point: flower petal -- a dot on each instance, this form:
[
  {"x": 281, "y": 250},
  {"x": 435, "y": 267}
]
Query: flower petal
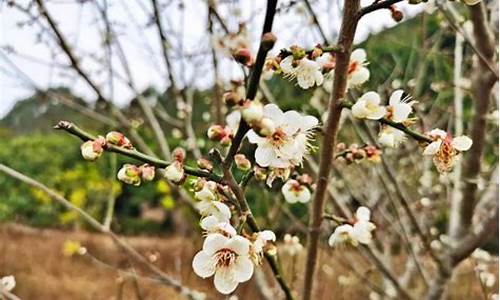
[
  {"x": 377, "y": 113},
  {"x": 243, "y": 268},
  {"x": 462, "y": 143},
  {"x": 224, "y": 280},
  {"x": 396, "y": 97},
  {"x": 238, "y": 244},
  {"x": 203, "y": 264},
  {"x": 214, "y": 242},
  {"x": 401, "y": 111},
  {"x": 358, "y": 55},
  {"x": 361, "y": 75},
  {"x": 254, "y": 138},
  {"x": 432, "y": 148},
  {"x": 363, "y": 213},
  {"x": 265, "y": 155},
  {"x": 273, "y": 112}
]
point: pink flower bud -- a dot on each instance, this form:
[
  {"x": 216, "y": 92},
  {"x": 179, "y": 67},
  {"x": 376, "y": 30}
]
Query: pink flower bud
[
  {"x": 226, "y": 141},
  {"x": 118, "y": 139},
  {"x": 130, "y": 174},
  {"x": 243, "y": 56},
  {"x": 175, "y": 172},
  {"x": 305, "y": 179},
  {"x": 268, "y": 40},
  {"x": 92, "y": 150},
  {"x": 242, "y": 162},
  {"x": 204, "y": 164},
  {"x": 179, "y": 154},
  {"x": 148, "y": 172},
  {"x": 252, "y": 111},
  {"x": 216, "y": 132}
]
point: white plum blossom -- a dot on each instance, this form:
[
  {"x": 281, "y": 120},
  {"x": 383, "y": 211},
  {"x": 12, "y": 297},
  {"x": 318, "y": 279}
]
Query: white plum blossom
[
  {"x": 445, "y": 149},
  {"x": 7, "y": 283},
  {"x": 359, "y": 233},
  {"x": 208, "y": 204},
  {"x": 307, "y": 71},
  {"x": 174, "y": 172},
  {"x": 390, "y": 136},
  {"x": 233, "y": 121},
  {"x": 294, "y": 192},
  {"x": 368, "y": 107},
  {"x": 292, "y": 244},
  {"x": 288, "y": 141},
  {"x": 262, "y": 238},
  {"x": 226, "y": 257},
  {"x": 399, "y": 108},
  {"x": 358, "y": 73},
  {"x": 212, "y": 224}
]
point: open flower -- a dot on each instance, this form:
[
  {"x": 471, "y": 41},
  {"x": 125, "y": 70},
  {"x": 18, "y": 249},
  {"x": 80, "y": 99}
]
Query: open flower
[
  {"x": 288, "y": 141},
  {"x": 358, "y": 73},
  {"x": 227, "y": 258},
  {"x": 355, "y": 234},
  {"x": 208, "y": 204},
  {"x": 445, "y": 149},
  {"x": 390, "y": 136},
  {"x": 368, "y": 107},
  {"x": 130, "y": 174},
  {"x": 294, "y": 192},
  {"x": 307, "y": 71},
  {"x": 399, "y": 108},
  {"x": 261, "y": 239},
  {"x": 7, "y": 283}
]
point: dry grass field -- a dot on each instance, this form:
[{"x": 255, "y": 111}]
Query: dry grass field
[{"x": 42, "y": 272}]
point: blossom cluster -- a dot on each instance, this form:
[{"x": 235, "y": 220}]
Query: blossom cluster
[
  {"x": 355, "y": 153},
  {"x": 316, "y": 67},
  {"x": 227, "y": 255},
  {"x": 444, "y": 148}
]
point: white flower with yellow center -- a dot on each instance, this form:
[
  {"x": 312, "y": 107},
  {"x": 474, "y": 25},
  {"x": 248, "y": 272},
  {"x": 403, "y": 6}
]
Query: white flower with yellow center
[
  {"x": 294, "y": 192},
  {"x": 308, "y": 72},
  {"x": 399, "y": 107},
  {"x": 445, "y": 149},
  {"x": 368, "y": 107},
  {"x": 227, "y": 258},
  {"x": 390, "y": 136},
  {"x": 358, "y": 73},
  {"x": 288, "y": 139},
  {"x": 359, "y": 233}
]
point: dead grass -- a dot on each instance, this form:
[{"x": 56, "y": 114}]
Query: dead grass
[{"x": 35, "y": 257}]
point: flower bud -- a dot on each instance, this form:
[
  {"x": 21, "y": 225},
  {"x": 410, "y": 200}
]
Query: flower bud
[
  {"x": 396, "y": 15},
  {"x": 175, "y": 172},
  {"x": 179, "y": 154},
  {"x": 198, "y": 184},
  {"x": 360, "y": 154},
  {"x": 242, "y": 162},
  {"x": 340, "y": 147},
  {"x": 316, "y": 53},
  {"x": 265, "y": 127},
  {"x": 92, "y": 150},
  {"x": 297, "y": 52},
  {"x": 130, "y": 174},
  {"x": 226, "y": 141},
  {"x": 243, "y": 56},
  {"x": 147, "y": 172},
  {"x": 118, "y": 139},
  {"x": 204, "y": 164},
  {"x": 305, "y": 179},
  {"x": 231, "y": 98},
  {"x": 252, "y": 111},
  {"x": 259, "y": 173},
  {"x": 207, "y": 193},
  {"x": 268, "y": 40},
  {"x": 216, "y": 132}
]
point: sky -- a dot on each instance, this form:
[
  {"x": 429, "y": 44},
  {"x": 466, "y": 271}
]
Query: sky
[{"x": 30, "y": 50}]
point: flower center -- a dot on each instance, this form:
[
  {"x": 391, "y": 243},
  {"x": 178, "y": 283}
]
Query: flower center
[
  {"x": 278, "y": 137},
  {"x": 225, "y": 257},
  {"x": 352, "y": 67}
]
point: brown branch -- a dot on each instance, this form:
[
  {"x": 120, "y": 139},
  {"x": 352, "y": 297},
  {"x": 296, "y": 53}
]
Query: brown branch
[
  {"x": 346, "y": 37},
  {"x": 376, "y": 6},
  {"x": 482, "y": 85},
  {"x": 85, "y": 136}
]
